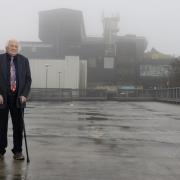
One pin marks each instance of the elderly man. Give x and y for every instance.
(15, 83)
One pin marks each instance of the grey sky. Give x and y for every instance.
(157, 20)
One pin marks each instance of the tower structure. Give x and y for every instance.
(110, 30)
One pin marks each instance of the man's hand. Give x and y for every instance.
(23, 99)
(1, 99)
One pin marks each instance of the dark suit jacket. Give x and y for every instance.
(24, 78)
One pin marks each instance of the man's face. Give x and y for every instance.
(12, 48)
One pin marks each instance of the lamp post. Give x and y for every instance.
(59, 79)
(46, 65)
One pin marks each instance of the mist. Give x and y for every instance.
(156, 20)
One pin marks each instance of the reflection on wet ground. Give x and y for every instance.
(99, 141)
(14, 170)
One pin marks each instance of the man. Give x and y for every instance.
(15, 83)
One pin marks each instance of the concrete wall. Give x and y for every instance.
(83, 74)
(56, 73)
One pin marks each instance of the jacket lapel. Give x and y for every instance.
(19, 66)
(4, 69)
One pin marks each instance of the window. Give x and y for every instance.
(108, 63)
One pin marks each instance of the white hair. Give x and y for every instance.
(13, 40)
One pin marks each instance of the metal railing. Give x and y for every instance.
(66, 94)
(168, 95)
(171, 94)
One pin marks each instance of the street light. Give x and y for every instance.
(46, 65)
(59, 78)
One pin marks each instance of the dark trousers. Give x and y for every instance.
(17, 122)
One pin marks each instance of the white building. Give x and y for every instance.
(55, 73)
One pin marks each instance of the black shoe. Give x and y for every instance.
(18, 156)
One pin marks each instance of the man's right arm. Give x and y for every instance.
(1, 92)
(1, 99)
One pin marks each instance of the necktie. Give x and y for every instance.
(12, 75)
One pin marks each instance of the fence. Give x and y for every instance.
(67, 94)
(169, 94)
(48, 94)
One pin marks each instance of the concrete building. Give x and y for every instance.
(154, 69)
(57, 73)
(64, 29)
(111, 59)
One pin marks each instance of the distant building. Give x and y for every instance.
(38, 50)
(111, 59)
(59, 73)
(154, 69)
(64, 29)
(129, 54)
(122, 68)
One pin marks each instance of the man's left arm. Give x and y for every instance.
(28, 81)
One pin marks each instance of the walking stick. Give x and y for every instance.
(24, 129)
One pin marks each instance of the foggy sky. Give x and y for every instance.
(157, 20)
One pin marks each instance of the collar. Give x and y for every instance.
(9, 56)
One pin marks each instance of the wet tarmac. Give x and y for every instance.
(98, 141)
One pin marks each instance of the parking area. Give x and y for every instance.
(98, 140)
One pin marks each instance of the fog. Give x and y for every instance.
(156, 20)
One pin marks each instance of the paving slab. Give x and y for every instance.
(95, 140)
